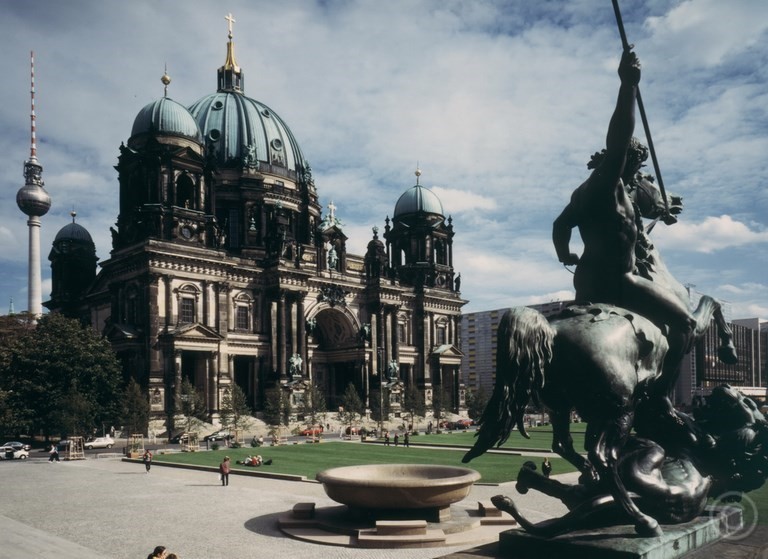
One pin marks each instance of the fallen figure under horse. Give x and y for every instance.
(601, 361)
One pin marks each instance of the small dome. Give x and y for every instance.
(166, 116)
(73, 232)
(418, 199)
(243, 131)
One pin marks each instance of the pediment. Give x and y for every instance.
(118, 332)
(196, 332)
(447, 350)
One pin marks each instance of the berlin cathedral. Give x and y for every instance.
(225, 271)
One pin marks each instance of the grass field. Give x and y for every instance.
(308, 459)
(541, 439)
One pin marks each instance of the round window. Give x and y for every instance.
(214, 134)
(218, 105)
(277, 144)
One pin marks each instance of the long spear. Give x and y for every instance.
(641, 108)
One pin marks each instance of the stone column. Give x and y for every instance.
(281, 336)
(301, 323)
(168, 301)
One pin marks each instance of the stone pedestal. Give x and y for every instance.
(621, 542)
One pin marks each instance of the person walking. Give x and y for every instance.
(397, 437)
(546, 467)
(54, 454)
(406, 439)
(224, 471)
(147, 459)
(386, 438)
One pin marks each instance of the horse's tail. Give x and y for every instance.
(523, 350)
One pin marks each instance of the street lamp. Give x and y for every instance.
(380, 373)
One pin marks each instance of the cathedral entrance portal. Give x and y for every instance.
(338, 356)
(197, 368)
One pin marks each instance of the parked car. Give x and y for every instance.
(100, 442)
(18, 446)
(180, 438)
(466, 422)
(312, 431)
(218, 436)
(12, 453)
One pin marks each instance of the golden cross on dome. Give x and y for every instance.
(230, 21)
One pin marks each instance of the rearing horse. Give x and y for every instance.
(599, 360)
(649, 204)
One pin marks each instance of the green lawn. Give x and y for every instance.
(541, 439)
(308, 459)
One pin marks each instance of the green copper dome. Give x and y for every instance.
(243, 131)
(73, 232)
(418, 200)
(166, 116)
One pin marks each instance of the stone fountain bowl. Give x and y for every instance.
(397, 486)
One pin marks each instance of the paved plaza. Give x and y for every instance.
(107, 508)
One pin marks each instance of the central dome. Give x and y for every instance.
(242, 131)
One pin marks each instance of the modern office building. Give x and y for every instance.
(700, 370)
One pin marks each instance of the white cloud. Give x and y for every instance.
(500, 103)
(712, 234)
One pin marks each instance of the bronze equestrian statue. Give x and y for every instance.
(613, 356)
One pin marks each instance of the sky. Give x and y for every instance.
(499, 103)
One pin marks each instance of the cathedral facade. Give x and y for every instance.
(225, 270)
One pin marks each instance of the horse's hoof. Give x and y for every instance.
(648, 528)
(522, 489)
(727, 354)
(501, 502)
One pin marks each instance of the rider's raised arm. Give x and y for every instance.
(622, 123)
(561, 234)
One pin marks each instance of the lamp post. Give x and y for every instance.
(380, 373)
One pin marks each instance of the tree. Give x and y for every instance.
(235, 409)
(313, 404)
(351, 404)
(62, 378)
(191, 407)
(376, 400)
(277, 407)
(413, 403)
(440, 401)
(135, 409)
(476, 402)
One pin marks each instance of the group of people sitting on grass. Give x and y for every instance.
(255, 461)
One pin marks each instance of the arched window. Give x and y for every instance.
(185, 192)
(187, 297)
(243, 304)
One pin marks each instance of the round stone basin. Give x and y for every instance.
(397, 486)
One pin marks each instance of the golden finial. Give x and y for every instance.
(417, 173)
(73, 213)
(166, 79)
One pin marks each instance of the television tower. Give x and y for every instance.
(35, 202)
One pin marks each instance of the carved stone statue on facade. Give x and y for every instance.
(295, 362)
